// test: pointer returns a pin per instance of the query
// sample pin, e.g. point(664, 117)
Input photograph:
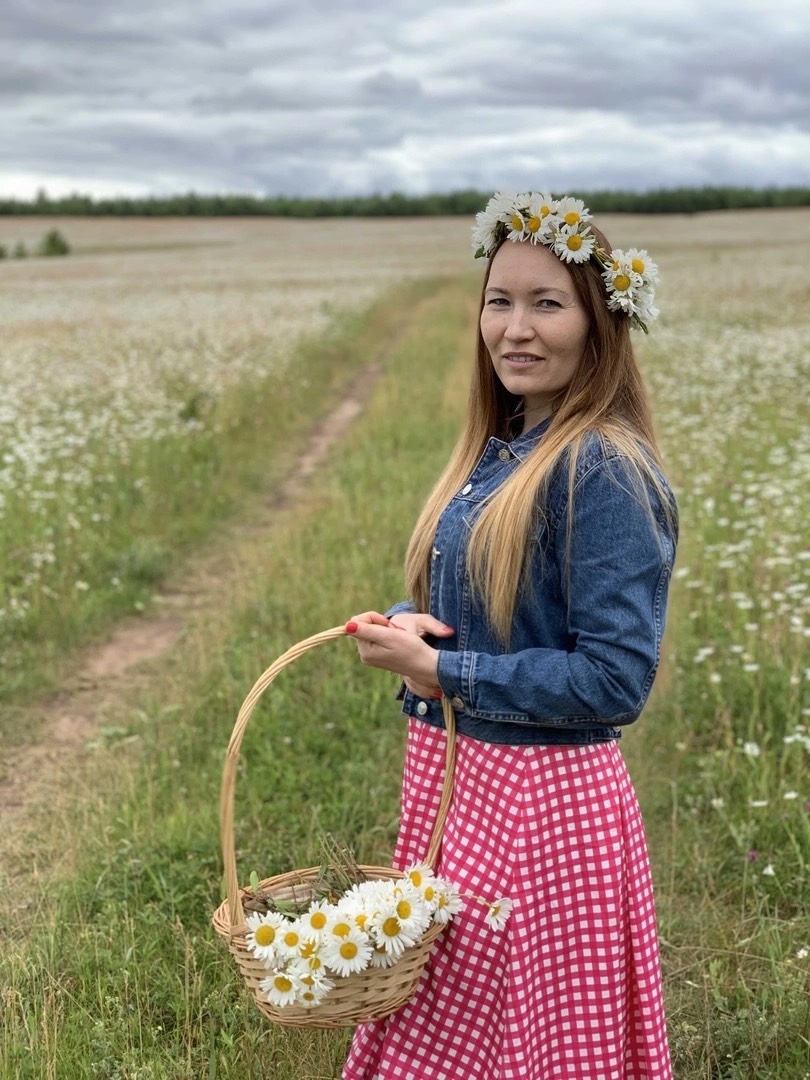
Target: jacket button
point(422, 708)
point(457, 702)
point(504, 454)
point(466, 489)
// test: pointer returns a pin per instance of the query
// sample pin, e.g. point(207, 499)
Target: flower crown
point(561, 224)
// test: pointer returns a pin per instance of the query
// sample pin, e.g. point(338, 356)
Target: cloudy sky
point(322, 97)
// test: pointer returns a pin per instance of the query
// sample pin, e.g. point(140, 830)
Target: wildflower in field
point(789, 796)
point(802, 953)
point(752, 855)
point(751, 749)
point(757, 803)
point(768, 871)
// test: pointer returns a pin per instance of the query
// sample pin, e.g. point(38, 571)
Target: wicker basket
point(367, 995)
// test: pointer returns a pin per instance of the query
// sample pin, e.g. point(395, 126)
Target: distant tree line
point(681, 200)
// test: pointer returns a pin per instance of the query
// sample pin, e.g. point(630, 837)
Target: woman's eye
point(547, 304)
point(496, 301)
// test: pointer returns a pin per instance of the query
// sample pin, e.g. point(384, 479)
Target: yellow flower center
point(307, 980)
point(317, 920)
point(517, 222)
point(415, 876)
point(621, 282)
point(638, 266)
point(265, 935)
point(314, 963)
point(430, 892)
point(545, 210)
point(348, 950)
point(291, 939)
point(361, 919)
point(282, 984)
point(442, 900)
point(533, 224)
point(571, 218)
point(574, 242)
point(307, 949)
point(391, 926)
point(404, 909)
point(614, 265)
point(341, 929)
point(307, 995)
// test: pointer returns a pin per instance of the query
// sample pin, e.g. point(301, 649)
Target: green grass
point(113, 971)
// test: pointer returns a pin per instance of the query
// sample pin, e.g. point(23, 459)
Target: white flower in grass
point(290, 939)
point(574, 243)
point(789, 796)
point(263, 933)
point(751, 749)
point(279, 987)
point(498, 914)
point(347, 954)
point(768, 871)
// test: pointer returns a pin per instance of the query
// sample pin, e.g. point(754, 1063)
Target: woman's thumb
point(429, 625)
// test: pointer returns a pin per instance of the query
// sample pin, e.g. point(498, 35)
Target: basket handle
point(227, 790)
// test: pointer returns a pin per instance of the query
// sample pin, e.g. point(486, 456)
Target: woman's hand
point(396, 645)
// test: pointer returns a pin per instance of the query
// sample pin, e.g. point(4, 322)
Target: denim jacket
point(585, 644)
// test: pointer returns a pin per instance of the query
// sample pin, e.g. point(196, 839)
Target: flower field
point(128, 370)
point(126, 367)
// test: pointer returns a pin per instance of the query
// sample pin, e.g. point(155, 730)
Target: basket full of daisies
point(340, 943)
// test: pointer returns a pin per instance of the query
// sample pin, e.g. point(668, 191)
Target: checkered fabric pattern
point(571, 988)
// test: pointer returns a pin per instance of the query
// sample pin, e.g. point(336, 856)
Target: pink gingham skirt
point(571, 988)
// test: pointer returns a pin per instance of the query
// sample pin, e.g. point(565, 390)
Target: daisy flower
point(641, 263)
point(347, 954)
point(574, 243)
point(290, 939)
point(381, 958)
point(312, 989)
point(498, 913)
point(279, 987)
point(411, 910)
point(448, 903)
point(419, 875)
point(390, 932)
point(315, 919)
point(263, 934)
point(573, 212)
point(516, 226)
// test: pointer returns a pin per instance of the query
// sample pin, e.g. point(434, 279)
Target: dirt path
point(111, 671)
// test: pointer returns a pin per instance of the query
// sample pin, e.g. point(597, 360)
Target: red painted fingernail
point(351, 627)
point(437, 694)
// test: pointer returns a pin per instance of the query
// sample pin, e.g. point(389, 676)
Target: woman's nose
point(518, 326)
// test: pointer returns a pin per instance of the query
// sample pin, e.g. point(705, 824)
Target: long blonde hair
point(606, 395)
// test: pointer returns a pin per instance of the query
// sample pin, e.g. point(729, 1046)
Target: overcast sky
point(323, 97)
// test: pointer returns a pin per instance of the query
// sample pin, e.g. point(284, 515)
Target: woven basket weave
point(366, 995)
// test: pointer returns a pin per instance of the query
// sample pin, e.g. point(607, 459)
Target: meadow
point(166, 376)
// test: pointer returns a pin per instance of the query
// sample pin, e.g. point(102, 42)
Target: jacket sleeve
point(615, 592)
point(403, 607)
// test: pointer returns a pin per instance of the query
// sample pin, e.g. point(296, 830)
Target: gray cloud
point(423, 95)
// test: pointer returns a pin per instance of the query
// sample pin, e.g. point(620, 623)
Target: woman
point(537, 575)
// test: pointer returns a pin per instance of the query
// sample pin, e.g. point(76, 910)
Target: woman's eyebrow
point(532, 292)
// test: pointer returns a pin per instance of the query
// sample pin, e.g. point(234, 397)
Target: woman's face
point(533, 324)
